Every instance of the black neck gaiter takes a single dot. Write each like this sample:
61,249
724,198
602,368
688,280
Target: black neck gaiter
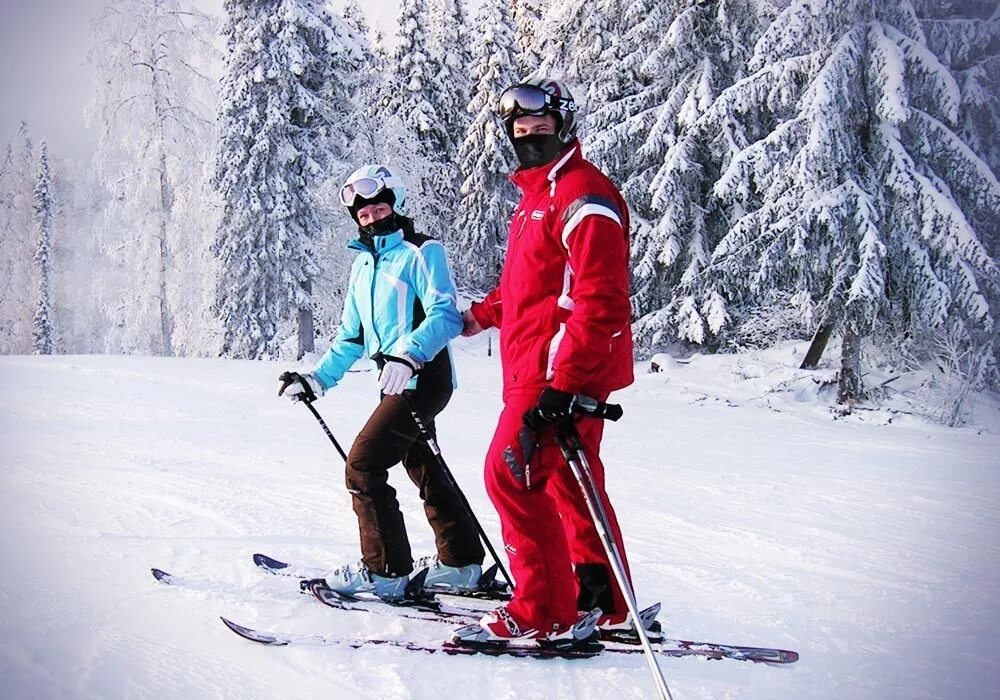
534,150
391,223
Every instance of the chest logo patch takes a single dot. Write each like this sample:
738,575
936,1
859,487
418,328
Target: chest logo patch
537,215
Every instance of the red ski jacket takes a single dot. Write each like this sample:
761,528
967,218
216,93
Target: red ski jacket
563,300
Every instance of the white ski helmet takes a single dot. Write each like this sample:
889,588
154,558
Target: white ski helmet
374,183
537,97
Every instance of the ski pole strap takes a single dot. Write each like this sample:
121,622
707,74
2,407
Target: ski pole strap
381,358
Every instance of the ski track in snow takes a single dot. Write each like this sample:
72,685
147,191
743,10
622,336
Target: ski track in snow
869,548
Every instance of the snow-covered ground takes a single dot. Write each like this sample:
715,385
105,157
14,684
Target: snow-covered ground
867,544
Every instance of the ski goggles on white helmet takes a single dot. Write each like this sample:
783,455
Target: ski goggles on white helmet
366,188
531,100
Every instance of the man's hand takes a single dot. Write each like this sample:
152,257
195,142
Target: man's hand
470,326
396,374
300,387
554,406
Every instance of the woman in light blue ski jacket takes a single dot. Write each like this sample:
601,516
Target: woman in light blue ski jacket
401,312
400,302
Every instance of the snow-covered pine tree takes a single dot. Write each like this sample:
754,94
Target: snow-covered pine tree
17,278
527,25
851,196
44,211
622,108
702,51
487,196
966,37
284,97
572,40
412,77
79,267
450,63
153,107
365,85
355,19
413,134
449,67
6,248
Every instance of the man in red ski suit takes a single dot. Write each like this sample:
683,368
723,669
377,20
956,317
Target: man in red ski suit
562,307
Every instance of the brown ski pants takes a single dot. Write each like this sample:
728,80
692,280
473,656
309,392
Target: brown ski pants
391,436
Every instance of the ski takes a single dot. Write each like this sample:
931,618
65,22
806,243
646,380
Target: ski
431,610
535,652
669,647
489,587
621,640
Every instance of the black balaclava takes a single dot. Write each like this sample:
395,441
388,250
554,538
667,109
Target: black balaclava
535,150
389,224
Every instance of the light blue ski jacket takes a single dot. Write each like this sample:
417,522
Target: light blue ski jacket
401,300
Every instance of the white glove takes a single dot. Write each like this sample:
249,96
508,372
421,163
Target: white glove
299,387
396,374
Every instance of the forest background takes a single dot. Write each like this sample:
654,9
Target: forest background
821,170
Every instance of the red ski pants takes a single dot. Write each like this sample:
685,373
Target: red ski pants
546,526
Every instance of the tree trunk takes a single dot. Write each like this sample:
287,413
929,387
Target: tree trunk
166,204
306,335
166,319
817,346
849,387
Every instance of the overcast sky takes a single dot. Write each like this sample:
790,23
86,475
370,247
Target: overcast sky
44,76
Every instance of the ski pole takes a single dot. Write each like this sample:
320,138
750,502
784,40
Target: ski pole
308,397
309,405
432,444
569,442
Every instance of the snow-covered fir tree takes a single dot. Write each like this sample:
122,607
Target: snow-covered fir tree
622,105
6,254
284,95
702,51
17,245
411,124
153,106
411,78
487,196
44,211
79,267
571,42
450,60
355,19
450,66
966,36
861,196
527,35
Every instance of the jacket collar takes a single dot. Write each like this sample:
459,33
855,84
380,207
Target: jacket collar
380,244
544,176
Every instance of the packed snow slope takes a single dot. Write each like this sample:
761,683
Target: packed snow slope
866,543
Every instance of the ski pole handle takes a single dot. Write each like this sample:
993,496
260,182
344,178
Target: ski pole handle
593,408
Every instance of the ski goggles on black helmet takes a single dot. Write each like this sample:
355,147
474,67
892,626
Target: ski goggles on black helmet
367,188
530,100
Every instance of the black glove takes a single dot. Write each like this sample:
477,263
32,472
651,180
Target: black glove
553,406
